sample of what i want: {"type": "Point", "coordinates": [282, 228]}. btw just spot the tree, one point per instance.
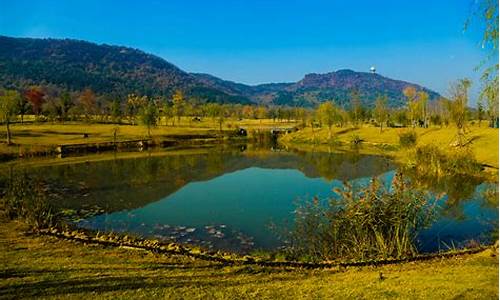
{"type": "Point", "coordinates": [23, 106]}
{"type": "Point", "coordinates": [480, 112]}
{"type": "Point", "coordinates": [134, 104]}
{"type": "Point", "coordinates": [261, 113]}
{"type": "Point", "coordinates": [422, 99]}
{"type": "Point", "coordinates": [116, 111]}
{"type": "Point", "coordinates": [327, 113]}
{"type": "Point", "coordinates": [65, 104]}
{"type": "Point", "coordinates": [178, 101]}
{"type": "Point", "coordinates": [87, 100]}
{"type": "Point", "coordinates": [356, 109]}
{"type": "Point", "coordinates": [381, 110]}
{"type": "Point", "coordinates": [148, 115]}
{"type": "Point", "coordinates": [36, 97]}
{"type": "Point", "coordinates": [486, 11]}
{"type": "Point", "coordinates": [411, 94]}
{"type": "Point", "coordinates": [9, 100]}
{"type": "Point", "coordinates": [221, 116]}
{"type": "Point", "coordinates": [457, 107]}
{"type": "Point", "coordinates": [248, 112]}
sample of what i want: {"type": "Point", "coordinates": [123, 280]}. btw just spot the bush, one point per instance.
{"type": "Point", "coordinates": [356, 140]}
{"type": "Point", "coordinates": [374, 222]}
{"type": "Point", "coordinates": [408, 139]}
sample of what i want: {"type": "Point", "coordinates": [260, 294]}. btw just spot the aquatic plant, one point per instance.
{"type": "Point", "coordinates": [373, 222]}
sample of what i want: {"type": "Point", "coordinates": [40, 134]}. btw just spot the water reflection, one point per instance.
{"type": "Point", "coordinates": [225, 197]}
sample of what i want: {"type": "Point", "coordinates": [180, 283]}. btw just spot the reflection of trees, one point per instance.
{"type": "Point", "coordinates": [458, 187]}
{"type": "Point", "coordinates": [134, 182]}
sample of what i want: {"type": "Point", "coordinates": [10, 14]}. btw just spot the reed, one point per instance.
{"type": "Point", "coordinates": [372, 222]}
{"type": "Point", "coordinates": [26, 199]}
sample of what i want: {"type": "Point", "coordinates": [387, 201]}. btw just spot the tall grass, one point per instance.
{"type": "Point", "coordinates": [26, 199]}
{"type": "Point", "coordinates": [430, 160]}
{"type": "Point", "coordinates": [373, 222]}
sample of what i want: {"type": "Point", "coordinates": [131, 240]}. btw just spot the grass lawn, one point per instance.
{"type": "Point", "coordinates": [32, 137]}
{"type": "Point", "coordinates": [46, 267]}
{"type": "Point", "coordinates": [484, 144]}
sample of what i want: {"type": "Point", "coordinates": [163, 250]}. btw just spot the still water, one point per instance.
{"type": "Point", "coordinates": [229, 198]}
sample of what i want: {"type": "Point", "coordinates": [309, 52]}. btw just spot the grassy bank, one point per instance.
{"type": "Point", "coordinates": [34, 266]}
{"type": "Point", "coordinates": [484, 140]}
{"type": "Point", "coordinates": [31, 138]}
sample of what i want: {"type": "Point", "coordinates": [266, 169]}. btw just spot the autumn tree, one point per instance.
{"type": "Point", "coordinates": [248, 112]}
{"type": "Point", "coordinates": [9, 100]}
{"type": "Point", "coordinates": [380, 111]}
{"type": "Point", "coordinates": [421, 106]}
{"type": "Point", "coordinates": [261, 113]}
{"type": "Point", "coordinates": [134, 104]}
{"type": "Point", "coordinates": [457, 107]}
{"type": "Point", "coordinates": [36, 97]}
{"type": "Point", "coordinates": [87, 100]}
{"type": "Point", "coordinates": [411, 94]}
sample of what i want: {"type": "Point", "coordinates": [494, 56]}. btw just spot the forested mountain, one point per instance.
{"type": "Point", "coordinates": [110, 70]}
{"type": "Point", "coordinates": [116, 71]}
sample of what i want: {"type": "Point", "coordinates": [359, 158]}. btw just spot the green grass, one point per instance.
{"type": "Point", "coordinates": [46, 267]}
{"type": "Point", "coordinates": [484, 144]}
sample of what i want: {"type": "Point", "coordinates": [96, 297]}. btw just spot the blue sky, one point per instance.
{"type": "Point", "coordinates": [272, 41]}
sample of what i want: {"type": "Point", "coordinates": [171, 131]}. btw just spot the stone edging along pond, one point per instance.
{"type": "Point", "coordinates": [125, 241]}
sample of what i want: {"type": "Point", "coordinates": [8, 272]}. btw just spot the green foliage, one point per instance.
{"type": "Point", "coordinates": [9, 104]}
{"type": "Point", "coordinates": [328, 114]}
{"type": "Point", "coordinates": [148, 115]}
{"type": "Point", "coordinates": [373, 222]}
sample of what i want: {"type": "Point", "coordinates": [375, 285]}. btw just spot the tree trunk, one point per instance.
{"type": "Point", "coordinates": [7, 124]}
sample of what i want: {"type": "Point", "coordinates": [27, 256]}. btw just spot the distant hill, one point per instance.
{"type": "Point", "coordinates": [111, 70]}
{"type": "Point", "coordinates": [117, 71]}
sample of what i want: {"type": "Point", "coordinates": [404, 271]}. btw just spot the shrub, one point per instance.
{"type": "Point", "coordinates": [374, 222]}
{"type": "Point", "coordinates": [408, 139]}
{"type": "Point", "coordinates": [356, 139]}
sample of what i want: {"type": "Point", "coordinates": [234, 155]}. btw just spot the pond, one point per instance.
{"type": "Point", "coordinates": [228, 197]}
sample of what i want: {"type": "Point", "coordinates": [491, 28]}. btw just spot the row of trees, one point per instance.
{"type": "Point", "coordinates": [62, 106]}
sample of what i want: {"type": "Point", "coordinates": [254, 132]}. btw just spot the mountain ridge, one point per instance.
{"type": "Point", "coordinates": [116, 71]}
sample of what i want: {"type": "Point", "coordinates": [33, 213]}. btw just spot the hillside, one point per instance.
{"type": "Point", "coordinates": [116, 71]}
{"type": "Point", "coordinates": [108, 70]}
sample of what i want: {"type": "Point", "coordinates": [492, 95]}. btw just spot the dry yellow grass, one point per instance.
{"type": "Point", "coordinates": [45, 267]}
{"type": "Point", "coordinates": [484, 140]}
{"type": "Point", "coordinates": [33, 137]}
